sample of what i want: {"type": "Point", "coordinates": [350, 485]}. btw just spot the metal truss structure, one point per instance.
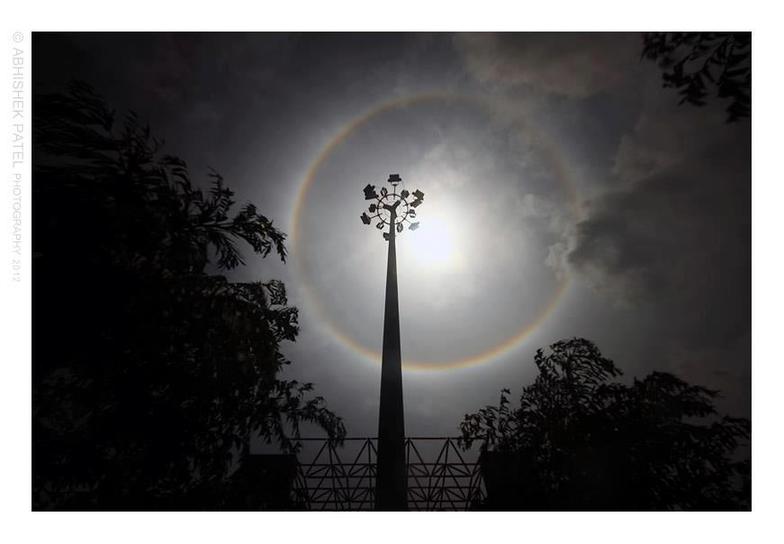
{"type": "Point", "coordinates": [441, 476]}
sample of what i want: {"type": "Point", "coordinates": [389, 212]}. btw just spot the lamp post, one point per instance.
{"type": "Point", "coordinates": [392, 212]}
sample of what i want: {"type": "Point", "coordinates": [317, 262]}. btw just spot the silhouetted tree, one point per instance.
{"type": "Point", "coordinates": [700, 64]}
{"type": "Point", "coordinates": [581, 441]}
{"type": "Point", "coordinates": [150, 375]}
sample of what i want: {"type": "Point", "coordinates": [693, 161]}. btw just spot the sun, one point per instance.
{"type": "Point", "coordinates": [434, 246]}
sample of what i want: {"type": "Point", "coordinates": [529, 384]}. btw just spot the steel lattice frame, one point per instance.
{"type": "Point", "coordinates": [344, 478]}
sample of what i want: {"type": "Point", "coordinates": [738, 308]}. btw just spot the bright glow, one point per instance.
{"type": "Point", "coordinates": [434, 244]}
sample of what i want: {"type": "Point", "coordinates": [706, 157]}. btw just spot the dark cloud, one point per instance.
{"type": "Point", "coordinates": [571, 64]}
{"type": "Point", "coordinates": [673, 240]}
{"type": "Point", "coordinates": [682, 233]}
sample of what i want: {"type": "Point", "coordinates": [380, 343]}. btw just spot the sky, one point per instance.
{"type": "Point", "coordinates": [567, 194]}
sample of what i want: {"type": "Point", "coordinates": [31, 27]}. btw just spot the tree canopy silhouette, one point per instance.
{"type": "Point", "coordinates": [579, 441]}
{"type": "Point", "coordinates": [699, 64]}
{"type": "Point", "coordinates": [150, 375]}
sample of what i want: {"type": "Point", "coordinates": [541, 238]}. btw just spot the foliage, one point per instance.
{"type": "Point", "coordinates": [581, 441]}
{"type": "Point", "coordinates": [699, 64]}
{"type": "Point", "coordinates": [150, 376]}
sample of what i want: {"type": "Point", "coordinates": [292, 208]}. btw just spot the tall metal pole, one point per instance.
{"type": "Point", "coordinates": [391, 471]}
{"type": "Point", "coordinates": [393, 210]}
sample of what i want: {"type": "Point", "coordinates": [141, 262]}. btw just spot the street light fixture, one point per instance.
{"type": "Point", "coordinates": [391, 212]}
